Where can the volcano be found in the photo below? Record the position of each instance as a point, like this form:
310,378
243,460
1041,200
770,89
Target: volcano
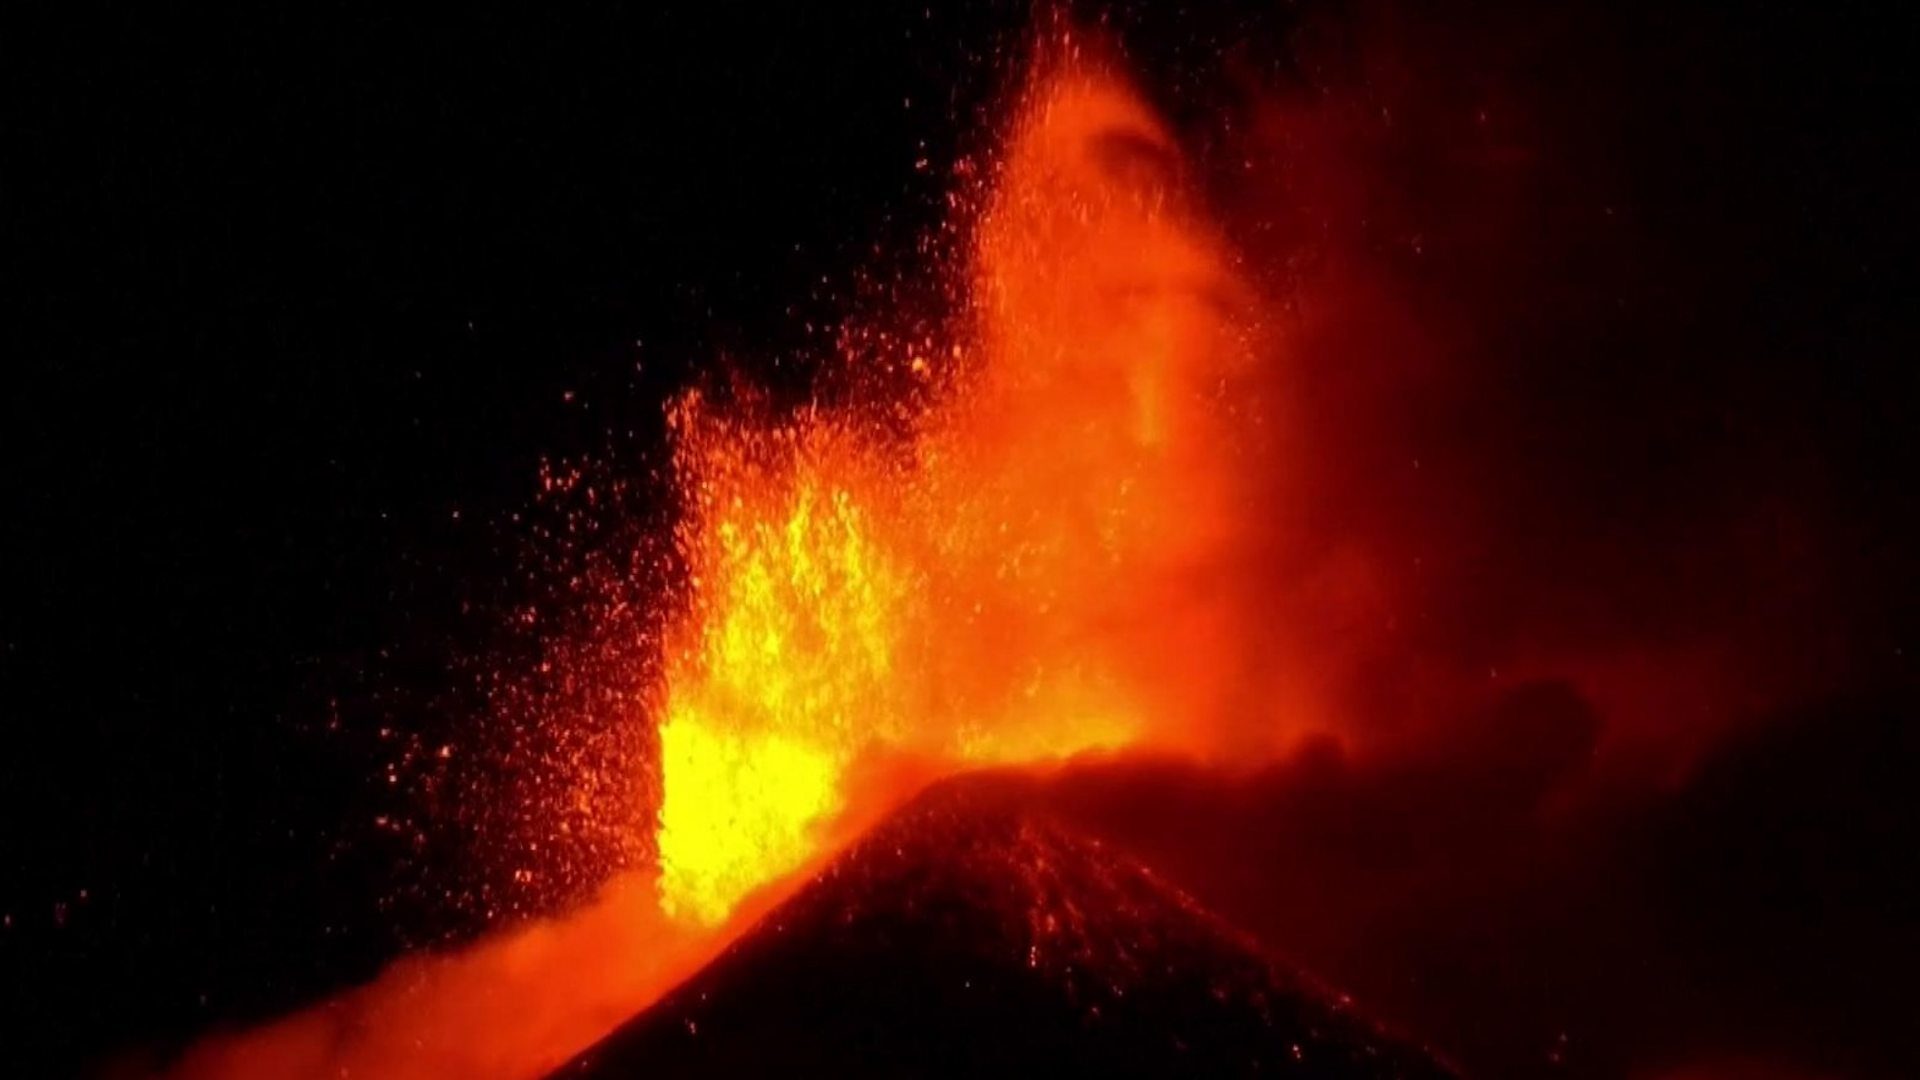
972,933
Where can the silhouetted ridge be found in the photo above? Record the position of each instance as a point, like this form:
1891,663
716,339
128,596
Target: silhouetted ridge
970,934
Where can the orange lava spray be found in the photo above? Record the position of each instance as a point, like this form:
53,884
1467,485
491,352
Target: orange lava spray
1018,578
1025,566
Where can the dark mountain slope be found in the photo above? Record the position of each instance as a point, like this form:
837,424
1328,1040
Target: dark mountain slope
971,934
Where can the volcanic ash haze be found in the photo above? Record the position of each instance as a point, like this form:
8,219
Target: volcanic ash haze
1034,564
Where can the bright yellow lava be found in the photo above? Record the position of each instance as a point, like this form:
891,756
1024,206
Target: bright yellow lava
772,704
714,838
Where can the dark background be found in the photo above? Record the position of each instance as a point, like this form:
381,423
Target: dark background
286,293
296,306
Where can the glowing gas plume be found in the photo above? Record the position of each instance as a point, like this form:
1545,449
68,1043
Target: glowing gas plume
1003,583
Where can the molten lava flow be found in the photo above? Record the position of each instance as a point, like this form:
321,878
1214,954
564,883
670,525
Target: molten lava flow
1006,583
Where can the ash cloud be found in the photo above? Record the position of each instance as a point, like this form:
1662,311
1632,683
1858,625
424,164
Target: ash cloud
1578,330
1586,548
